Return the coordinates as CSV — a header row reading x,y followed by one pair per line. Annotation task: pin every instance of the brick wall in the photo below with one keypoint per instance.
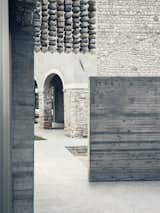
x,y
128,37
76,112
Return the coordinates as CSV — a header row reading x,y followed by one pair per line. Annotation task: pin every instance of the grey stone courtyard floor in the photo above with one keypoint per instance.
x,y
61,183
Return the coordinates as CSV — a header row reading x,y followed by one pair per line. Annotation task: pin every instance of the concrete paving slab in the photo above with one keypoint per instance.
x,y
61,183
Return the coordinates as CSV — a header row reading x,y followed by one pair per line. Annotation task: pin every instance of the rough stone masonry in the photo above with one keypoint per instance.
x,y
65,26
128,37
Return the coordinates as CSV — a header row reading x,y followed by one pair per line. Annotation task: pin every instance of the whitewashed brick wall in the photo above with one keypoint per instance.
x,y
76,112
128,37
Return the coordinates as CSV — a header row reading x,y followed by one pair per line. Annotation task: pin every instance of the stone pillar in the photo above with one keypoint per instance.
x,y
92,26
37,26
22,67
44,26
45,109
76,112
84,25
52,25
60,26
68,25
76,25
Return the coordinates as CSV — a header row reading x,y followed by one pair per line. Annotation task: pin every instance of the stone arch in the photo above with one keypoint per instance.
x,y
52,73
52,102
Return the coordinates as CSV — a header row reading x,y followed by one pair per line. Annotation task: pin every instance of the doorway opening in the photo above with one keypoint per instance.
x,y
52,103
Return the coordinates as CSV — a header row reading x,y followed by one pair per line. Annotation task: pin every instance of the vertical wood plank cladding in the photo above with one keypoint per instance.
x,y
21,28
124,128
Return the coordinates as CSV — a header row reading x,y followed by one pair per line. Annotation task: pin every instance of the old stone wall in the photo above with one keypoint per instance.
x,y
65,26
76,102
128,37
22,69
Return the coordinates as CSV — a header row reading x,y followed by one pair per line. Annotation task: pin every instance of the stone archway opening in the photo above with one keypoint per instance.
x,y
57,102
52,103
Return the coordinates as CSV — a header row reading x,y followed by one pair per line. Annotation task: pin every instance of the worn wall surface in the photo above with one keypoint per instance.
x,y
74,71
65,26
128,37
21,13
124,128
76,112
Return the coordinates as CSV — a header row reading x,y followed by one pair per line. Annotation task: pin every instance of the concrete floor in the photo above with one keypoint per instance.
x,y
61,183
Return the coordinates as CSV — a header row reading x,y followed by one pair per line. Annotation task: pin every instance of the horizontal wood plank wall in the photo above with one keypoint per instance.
x,y
124,128
21,27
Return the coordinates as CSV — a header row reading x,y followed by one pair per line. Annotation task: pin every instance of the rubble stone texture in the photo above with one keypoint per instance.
x,y
128,38
52,22
37,27
44,26
76,25
92,25
76,112
84,25
60,25
68,26
65,26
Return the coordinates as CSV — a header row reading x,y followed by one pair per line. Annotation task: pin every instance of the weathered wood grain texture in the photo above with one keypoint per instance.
x,y
22,68
124,128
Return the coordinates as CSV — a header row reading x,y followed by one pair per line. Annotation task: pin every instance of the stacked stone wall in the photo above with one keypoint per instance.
x,y
45,109
128,37
65,26
76,112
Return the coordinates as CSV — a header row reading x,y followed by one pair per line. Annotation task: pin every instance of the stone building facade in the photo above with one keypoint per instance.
x,y
65,42
128,38
132,48
128,35
74,71
124,112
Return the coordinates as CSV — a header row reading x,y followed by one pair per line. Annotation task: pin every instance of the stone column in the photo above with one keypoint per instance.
x,y
44,26
52,25
68,25
60,26
37,27
84,25
76,112
45,109
76,25
92,26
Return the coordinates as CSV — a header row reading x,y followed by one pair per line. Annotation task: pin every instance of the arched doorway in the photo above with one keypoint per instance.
x,y
57,102
52,103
